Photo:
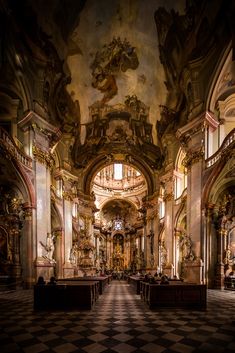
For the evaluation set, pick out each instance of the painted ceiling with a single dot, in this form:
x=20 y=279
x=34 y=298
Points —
x=99 y=26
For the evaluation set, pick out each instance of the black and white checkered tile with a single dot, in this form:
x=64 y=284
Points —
x=119 y=323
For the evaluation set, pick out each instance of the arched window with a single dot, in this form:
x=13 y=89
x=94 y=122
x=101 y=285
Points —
x=161 y=202
x=118 y=171
x=180 y=175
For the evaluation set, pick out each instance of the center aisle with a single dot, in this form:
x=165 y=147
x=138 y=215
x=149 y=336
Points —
x=123 y=323
x=122 y=320
x=119 y=322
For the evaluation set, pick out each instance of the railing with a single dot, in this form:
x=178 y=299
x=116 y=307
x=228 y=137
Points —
x=229 y=140
x=14 y=151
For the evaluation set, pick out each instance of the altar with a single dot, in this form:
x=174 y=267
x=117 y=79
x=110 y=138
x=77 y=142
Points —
x=118 y=259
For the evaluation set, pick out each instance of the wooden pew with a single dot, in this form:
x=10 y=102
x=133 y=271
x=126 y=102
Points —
x=103 y=281
x=134 y=281
x=182 y=295
x=66 y=295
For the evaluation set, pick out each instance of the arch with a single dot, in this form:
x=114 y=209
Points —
x=220 y=71
x=106 y=201
x=180 y=215
x=214 y=179
x=179 y=158
x=22 y=178
x=101 y=161
x=180 y=181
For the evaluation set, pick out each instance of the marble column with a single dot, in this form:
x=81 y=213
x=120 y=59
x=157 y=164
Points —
x=28 y=250
x=39 y=135
x=192 y=137
x=168 y=181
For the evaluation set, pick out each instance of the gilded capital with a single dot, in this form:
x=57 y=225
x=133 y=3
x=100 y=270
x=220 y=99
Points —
x=68 y=195
x=43 y=157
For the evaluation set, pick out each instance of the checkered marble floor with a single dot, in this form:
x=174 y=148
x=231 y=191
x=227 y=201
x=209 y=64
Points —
x=119 y=323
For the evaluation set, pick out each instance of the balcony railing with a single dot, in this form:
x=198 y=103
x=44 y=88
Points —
x=228 y=141
x=14 y=151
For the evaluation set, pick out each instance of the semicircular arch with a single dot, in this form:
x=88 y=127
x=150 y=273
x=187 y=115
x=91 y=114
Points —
x=101 y=162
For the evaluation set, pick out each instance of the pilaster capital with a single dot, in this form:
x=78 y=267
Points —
x=28 y=213
x=43 y=156
x=68 y=195
x=193 y=157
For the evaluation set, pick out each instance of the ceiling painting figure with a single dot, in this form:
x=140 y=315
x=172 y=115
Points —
x=113 y=58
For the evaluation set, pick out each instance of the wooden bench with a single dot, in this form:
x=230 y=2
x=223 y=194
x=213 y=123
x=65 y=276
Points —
x=66 y=295
x=103 y=281
x=183 y=295
x=135 y=281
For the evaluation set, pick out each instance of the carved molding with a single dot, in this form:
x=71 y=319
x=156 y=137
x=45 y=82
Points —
x=192 y=157
x=40 y=125
x=68 y=195
x=121 y=129
x=169 y=196
x=43 y=157
x=194 y=127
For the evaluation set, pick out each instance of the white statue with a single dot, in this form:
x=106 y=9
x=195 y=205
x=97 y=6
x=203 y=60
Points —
x=49 y=248
x=73 y=253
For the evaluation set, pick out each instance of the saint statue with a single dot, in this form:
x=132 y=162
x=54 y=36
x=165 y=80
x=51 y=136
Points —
x=49 y=247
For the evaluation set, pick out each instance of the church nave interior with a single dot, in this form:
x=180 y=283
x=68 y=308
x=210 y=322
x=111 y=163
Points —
x=117 y=135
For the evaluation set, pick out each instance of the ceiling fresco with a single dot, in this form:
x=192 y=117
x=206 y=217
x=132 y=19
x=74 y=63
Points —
x=117 y=55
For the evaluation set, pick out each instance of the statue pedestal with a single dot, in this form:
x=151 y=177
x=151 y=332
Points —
x=193 y=271
x=44 y=268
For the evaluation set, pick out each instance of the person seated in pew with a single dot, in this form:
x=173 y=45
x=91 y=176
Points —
x=41 y=281
x=164 y=279
x=52 y=281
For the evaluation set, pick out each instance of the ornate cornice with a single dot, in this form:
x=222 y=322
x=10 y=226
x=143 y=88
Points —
x=65 y=175
x=167 y=178
x=40 y=125
x=191 y=129
x=103 y=143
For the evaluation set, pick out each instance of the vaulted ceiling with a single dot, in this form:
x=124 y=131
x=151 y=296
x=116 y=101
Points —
x=93 y=37
x=116 y=77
